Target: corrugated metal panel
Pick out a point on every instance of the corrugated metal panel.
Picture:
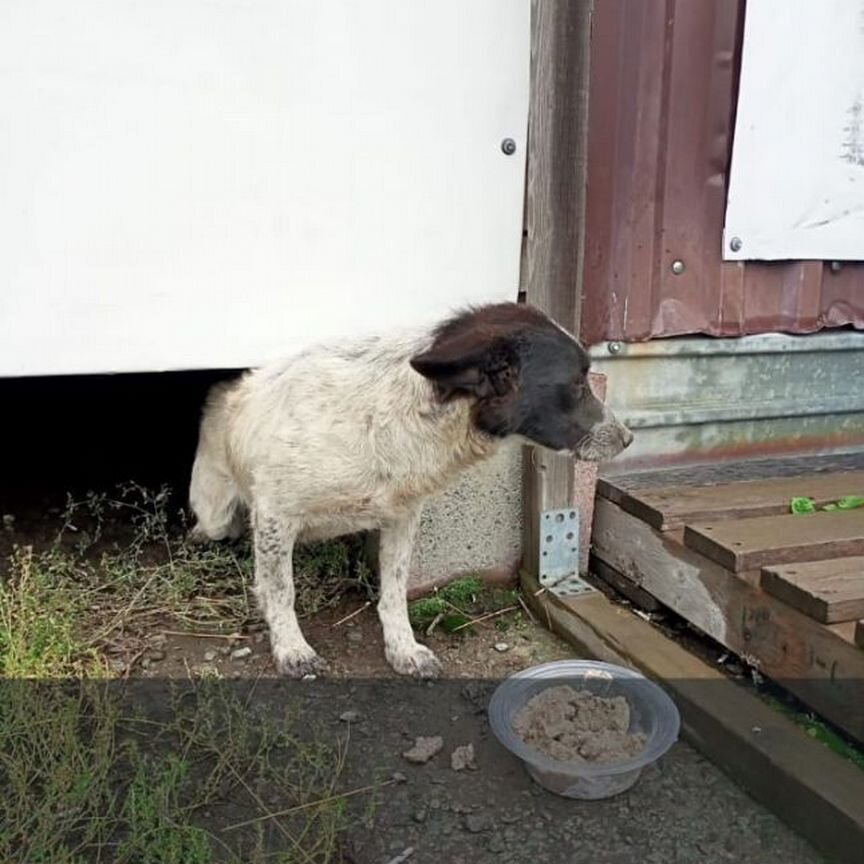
(663, 85)
(700, 399)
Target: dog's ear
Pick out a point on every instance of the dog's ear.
(468, 363)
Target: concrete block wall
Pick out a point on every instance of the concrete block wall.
(473, 527)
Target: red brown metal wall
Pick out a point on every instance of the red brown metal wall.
(664, 77)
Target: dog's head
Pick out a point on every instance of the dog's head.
(527, 377)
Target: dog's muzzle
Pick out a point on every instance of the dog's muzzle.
(605, 441)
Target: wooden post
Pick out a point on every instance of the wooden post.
(554, 209)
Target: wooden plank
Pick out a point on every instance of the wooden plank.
(624, 586)
(747, 544)
(671, 506)
(555, 201)
(829, 591)
(811, 660)
(817, 792)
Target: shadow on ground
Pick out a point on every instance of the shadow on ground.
(194, 772)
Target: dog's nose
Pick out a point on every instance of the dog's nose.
(626, 437)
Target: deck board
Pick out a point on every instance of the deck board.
(829, 591)
(667, 507)
(746, 544)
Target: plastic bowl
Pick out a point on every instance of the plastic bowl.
(652, 713)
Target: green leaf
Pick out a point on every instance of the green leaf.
(850, 502)
(802, 505)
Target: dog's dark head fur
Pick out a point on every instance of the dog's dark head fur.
(528, 378)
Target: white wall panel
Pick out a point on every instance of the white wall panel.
(208, 183)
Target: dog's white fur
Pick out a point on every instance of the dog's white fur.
(335, 440)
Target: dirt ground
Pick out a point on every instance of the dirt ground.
(683, 809)
(354, 649)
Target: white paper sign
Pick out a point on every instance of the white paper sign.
(796, 189)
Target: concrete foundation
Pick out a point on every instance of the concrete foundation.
(475, 527)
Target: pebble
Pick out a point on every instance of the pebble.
(398, 777)
(501, 647)
(462, 758)
(400, 859)
(259, 638)
(424, 749)
(225, 650)
(419, 815)
(210, 656)
(156, 656)
(476, 823)
(241, 653)
(497, 844)
(355, 636)
(350, 716)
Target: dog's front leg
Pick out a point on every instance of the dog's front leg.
(274, 587)
(403, 651)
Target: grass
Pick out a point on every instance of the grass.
(41, 610)
(90, 777)
(457, 605)
(817, 729)
(120, 566)
(191, 776)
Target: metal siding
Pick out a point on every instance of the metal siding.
(700, 399)
(664, 79)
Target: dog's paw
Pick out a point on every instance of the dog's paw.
(299, 663)
(418, 662)
(197, 536)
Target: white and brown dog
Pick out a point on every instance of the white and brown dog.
(354, 436)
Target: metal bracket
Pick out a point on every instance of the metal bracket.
(559, 553)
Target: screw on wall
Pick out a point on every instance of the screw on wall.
(836, 266)
(508, 146)
(614, 347)
(677, 266)
(735, 244)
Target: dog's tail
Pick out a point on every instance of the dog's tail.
(213, 494)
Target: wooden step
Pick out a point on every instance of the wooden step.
(667, 507)
(819, 663)
(745, 544)
(828, 591)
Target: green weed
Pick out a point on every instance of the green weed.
(89, 777)
(121, 567)
(456, 605)
(42, 618)
(818, 730)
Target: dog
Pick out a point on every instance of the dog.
(354, 436)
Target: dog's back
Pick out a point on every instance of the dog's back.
(343, 433)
